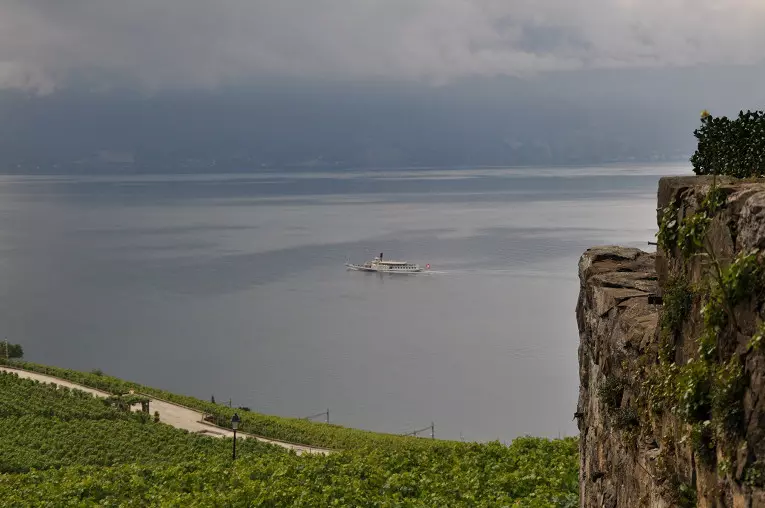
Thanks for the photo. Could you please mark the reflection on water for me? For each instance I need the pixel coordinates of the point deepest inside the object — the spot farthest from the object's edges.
(236, 286)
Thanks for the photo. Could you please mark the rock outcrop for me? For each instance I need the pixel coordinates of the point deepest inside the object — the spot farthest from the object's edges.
(616, 324)
(671, 407)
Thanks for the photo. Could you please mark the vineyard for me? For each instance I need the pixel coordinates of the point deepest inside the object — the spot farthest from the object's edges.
(529, 473)
(32, 442)
(63, 447)
(43, 426)
(293, 430)
(22, 397)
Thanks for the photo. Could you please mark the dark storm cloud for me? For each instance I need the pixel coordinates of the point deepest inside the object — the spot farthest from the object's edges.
(201, 43)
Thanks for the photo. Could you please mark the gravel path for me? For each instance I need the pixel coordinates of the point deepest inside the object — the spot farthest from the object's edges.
(172, 414)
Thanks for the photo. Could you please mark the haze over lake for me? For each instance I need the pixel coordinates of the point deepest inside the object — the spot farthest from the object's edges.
(235, 285)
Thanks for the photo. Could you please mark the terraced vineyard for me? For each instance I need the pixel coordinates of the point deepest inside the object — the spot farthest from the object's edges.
(43, 426)
(61, 447)
(24, 397)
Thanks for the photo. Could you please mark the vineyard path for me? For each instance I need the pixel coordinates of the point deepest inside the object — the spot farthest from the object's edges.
(172, 414)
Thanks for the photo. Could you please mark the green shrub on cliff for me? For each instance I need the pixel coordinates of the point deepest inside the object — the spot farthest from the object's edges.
(677, 300)
(731, 147)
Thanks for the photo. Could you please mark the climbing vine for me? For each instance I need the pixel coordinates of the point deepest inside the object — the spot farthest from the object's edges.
(707, 391)
(704, 389)
(667, 235)
(677, 301)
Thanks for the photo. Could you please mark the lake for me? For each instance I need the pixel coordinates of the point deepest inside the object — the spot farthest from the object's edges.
(235, 286)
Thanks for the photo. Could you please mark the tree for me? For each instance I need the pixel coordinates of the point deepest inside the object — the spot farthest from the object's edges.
(12, 350)
(731, 147)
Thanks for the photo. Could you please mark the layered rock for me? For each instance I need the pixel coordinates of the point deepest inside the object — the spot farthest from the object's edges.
(672, 355)
(616, 324)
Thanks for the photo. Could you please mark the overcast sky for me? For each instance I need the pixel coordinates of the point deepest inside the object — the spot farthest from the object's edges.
(167, 44)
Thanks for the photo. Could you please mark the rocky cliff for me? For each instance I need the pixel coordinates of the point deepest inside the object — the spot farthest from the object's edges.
(671, 406)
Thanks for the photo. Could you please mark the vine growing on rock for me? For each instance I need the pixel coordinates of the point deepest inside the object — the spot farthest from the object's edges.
(666, 238)
(677, 302)
(708, 388)
(689, 233)
(706, 392)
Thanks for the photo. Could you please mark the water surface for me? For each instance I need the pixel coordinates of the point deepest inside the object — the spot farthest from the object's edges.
(234, 286)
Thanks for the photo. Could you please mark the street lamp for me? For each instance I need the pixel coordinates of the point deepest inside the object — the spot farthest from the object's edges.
(235, 425)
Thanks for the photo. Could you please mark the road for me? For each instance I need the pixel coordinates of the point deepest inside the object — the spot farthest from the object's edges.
(176, 415)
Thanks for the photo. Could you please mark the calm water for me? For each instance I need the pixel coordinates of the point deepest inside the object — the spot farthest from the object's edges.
(235, 286)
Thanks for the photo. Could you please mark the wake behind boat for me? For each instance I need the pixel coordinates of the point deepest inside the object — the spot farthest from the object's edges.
(378, 265)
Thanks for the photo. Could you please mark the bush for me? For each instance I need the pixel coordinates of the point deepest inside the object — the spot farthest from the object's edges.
(611, 391)
(678, 299)
(731, 147)
(693, 387)
(626, 418)
(11, 350)
(728, 397)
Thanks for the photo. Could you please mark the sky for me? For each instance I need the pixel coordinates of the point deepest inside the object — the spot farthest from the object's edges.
(166, 44)
(371, 82)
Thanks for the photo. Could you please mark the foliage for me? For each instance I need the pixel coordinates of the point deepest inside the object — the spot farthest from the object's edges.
(677, 299)
(703, 441)
(9, 350)
(742, 278)
(124, 402)
(625, 418)
(610, 392)
(286, 429)
(757, 342)
(686, 496)
(42, 443)
(658, 389)
(530, 472)
(20, 397)
(715, 319)
(684, 390)
(692, 230)
(691, 233)
(727, 397)
(714, 200)
(755, 474)
(693, 392)
(101, 456)
(688, 234)
(45, 425)
(705, 392)
(731, 147)
(666, 237)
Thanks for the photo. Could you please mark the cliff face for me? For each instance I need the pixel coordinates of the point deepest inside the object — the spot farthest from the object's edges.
(671, 404)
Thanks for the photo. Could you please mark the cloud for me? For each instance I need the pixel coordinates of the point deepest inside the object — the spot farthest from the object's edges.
(201, 43)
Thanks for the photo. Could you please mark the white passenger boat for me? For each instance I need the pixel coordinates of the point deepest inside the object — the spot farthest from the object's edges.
(378, 265)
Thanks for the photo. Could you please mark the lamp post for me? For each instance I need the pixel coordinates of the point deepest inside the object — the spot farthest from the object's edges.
(234, 425)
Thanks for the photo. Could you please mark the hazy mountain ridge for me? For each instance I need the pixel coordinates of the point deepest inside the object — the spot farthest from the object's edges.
(555, 120)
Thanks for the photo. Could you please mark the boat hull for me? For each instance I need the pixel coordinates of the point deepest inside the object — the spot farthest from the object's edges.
(382, 269)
